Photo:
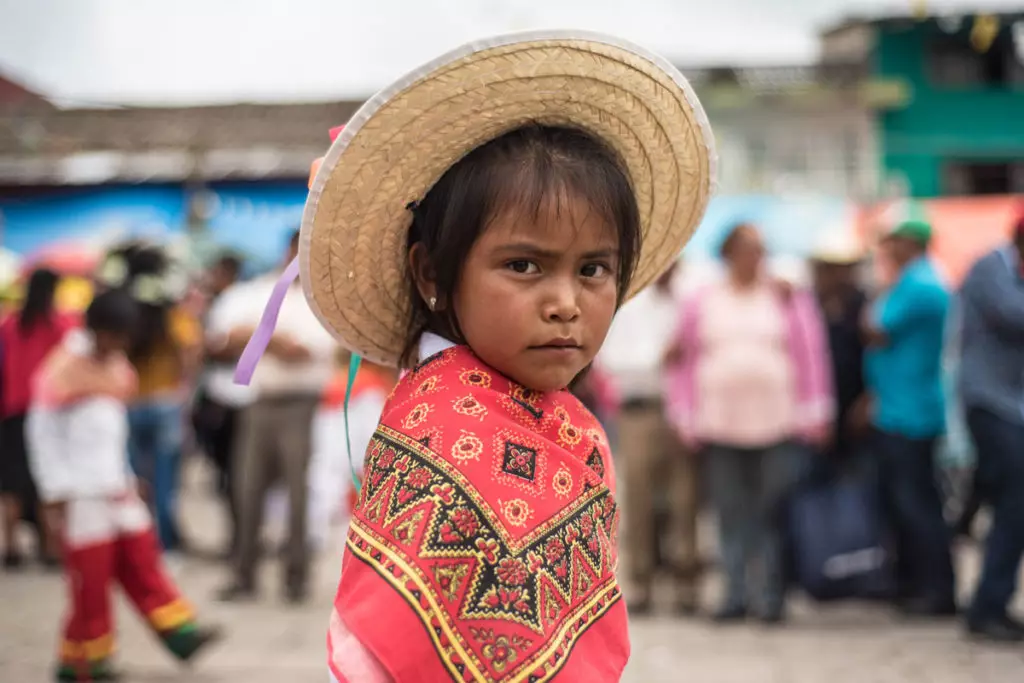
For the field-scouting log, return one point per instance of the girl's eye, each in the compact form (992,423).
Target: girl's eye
(523,267)
(594,270)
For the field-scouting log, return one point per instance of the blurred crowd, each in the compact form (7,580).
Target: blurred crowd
(827,424)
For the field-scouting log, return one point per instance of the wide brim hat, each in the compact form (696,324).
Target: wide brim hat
(353,245)
(838,247)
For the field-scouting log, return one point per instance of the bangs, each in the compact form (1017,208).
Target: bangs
(541,186)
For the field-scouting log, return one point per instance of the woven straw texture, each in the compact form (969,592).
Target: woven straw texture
(353,247)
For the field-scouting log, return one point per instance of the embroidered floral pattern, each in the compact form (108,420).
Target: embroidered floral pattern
(517,512)
(428,386)
(596,462)
(504,582)
(528,400)
(568,435)
(467,447)
(469,406)
(416,416)
(475,378)
(511,571)
(519,461)
(562,483)
(450,579)
(502,650)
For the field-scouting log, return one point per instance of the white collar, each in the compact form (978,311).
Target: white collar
(432,344)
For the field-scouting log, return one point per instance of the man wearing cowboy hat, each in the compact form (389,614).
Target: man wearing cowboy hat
(992,389)
(834,266)
(905,329)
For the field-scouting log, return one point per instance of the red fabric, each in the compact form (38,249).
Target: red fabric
(367,379)
(483,546)
(21,355)
(133,561)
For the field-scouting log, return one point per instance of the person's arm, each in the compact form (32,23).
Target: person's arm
(44,434)
(908,304)
(997,294)
(681,371)
(812,363)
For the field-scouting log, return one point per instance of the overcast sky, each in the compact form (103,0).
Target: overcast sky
(205,51)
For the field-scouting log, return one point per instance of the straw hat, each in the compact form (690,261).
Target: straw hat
(838,247)
(352,253)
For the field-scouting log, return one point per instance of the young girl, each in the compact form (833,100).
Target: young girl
(77,437)
(479,222)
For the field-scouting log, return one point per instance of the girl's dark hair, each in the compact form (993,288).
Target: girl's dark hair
(39,295)
(522,170)
(725,249)
(113,311)
(153,328)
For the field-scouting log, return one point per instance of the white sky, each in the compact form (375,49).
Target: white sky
(205,51)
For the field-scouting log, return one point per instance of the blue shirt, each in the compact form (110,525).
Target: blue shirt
(992,332)
(905,374)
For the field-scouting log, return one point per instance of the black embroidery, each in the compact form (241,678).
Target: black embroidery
(596,462)
(519,461)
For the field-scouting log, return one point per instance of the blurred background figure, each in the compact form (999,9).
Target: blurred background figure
(992,391)
(166,354)
(26,338)
(219,401)
(658,474)
(835,265)
(751,380)
(904,330)
(332,492)
(275,438)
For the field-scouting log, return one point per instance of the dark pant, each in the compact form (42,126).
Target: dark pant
(1000,446)
(275,440)
(748,486)
(655,462)
(913,506)
(215,426)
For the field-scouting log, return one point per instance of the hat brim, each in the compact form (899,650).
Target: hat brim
(837,258)
(353,245)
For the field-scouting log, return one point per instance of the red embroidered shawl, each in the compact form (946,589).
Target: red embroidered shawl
(483,547)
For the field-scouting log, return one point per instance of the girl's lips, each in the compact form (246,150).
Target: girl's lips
(559,344)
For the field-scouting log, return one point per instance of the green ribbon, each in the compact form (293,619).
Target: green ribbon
(353,369)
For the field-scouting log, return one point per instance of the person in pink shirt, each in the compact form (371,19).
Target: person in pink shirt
(749,379)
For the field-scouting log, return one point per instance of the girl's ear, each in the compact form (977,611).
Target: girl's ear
(423,275)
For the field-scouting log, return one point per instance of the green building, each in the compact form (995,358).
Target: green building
(958,128)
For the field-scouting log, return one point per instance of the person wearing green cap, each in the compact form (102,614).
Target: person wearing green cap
(905,329)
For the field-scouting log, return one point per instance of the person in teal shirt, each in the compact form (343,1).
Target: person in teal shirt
(905,331)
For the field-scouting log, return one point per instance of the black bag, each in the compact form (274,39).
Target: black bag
(836,538)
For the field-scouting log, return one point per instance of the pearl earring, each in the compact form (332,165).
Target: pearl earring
(432,302)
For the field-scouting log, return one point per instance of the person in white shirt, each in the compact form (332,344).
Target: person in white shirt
(275,437)
(656,467)
(77,434)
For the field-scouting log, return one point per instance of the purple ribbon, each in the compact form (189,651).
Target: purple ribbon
(257,345)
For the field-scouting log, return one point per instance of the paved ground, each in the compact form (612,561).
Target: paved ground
(269,642)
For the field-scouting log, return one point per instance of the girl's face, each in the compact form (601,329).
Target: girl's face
(536,297)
